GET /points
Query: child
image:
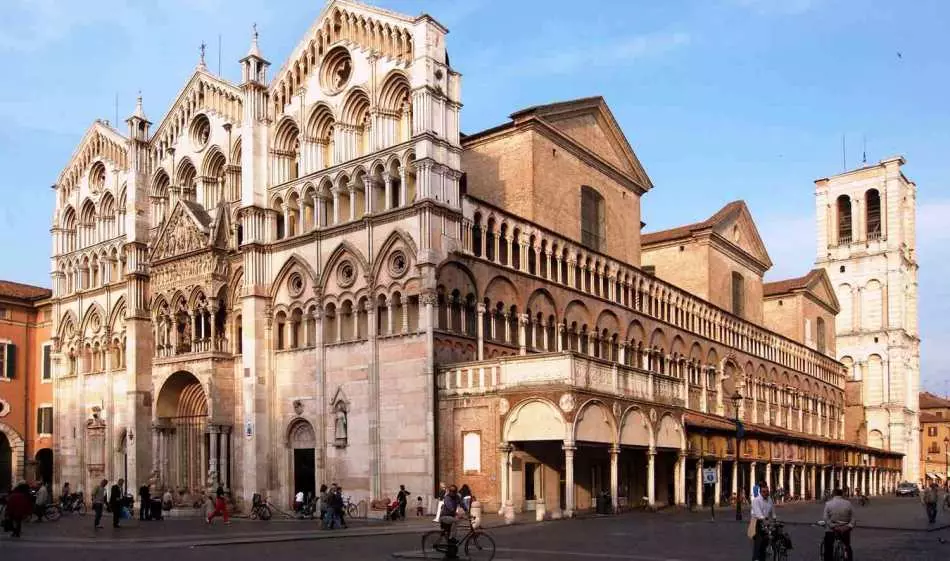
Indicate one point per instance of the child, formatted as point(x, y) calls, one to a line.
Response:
point(220, 508)
point(419, 506)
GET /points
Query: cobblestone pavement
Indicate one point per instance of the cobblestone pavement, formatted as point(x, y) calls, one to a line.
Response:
point(666, 536)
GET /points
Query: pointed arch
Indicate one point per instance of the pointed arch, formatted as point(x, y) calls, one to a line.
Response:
point(118, 310)
point(636, 429)
point(670, 433)
point(336, 255)
point(594, 423)
point(92, 311)
point(295, 260)
point(69, 320)
point(397, 236)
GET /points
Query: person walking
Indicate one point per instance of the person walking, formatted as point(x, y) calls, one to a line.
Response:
point(98, 502)
point(115, 502)
point(929, 499)
point(18, 508)
point(323, 502)
point(403, 498)
point(441, 496)
point(220, 507)
point(839, 519)
point(42, 501)
point(763, 510)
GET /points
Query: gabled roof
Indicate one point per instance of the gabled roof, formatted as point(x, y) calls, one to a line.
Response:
point(735, 214)
point(816, 282)
point(187, 229)
point(187, 103)
point(20, 291)
point(99, 141)
point(589, 124)
point(932, 401)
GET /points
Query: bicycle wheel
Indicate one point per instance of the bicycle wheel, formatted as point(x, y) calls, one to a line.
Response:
point(433, 545)
point(841, 553)
point(265, 513)
point(81, 509)
point(53, 513)
point(352, 511)
point(479, 546)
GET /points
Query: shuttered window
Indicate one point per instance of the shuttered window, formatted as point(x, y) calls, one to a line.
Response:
point(7, 360)
point(44, 420)
point(47, 363)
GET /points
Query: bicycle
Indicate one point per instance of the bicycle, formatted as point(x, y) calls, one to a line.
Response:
point(73, 503)
point(351, 509)
point(476, 544)
point(778, 541)
point(259, 508)
point(50, 512)
point(840, 550)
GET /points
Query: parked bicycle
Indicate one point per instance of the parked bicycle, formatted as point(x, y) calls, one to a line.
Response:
point(476, 544)
point(259, 508)
point(73, 503)
point(351, 509)
point(778, 541)
point(51, 512)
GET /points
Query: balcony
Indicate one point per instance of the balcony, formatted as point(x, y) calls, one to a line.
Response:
point(567, 369)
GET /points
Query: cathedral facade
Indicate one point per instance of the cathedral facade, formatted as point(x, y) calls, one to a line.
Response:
point(315, 277)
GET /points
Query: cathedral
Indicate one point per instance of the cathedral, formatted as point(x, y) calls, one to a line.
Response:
point(313, 276)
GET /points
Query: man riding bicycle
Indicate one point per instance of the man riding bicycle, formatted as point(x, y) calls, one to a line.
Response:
point(448, 517)
point(839, 521)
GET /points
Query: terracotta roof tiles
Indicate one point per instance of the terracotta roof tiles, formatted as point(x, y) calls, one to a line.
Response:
point(931, 401)
point(20, 291)
point(684, 231)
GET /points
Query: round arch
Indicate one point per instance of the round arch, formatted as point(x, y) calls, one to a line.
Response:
point(532, 420)
point(670, 433)
point(11, 457)
point(594, 423)
point(635, 429)
point(182, 409)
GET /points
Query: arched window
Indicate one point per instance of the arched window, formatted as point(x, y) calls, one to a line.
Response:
point(844, 220)
point(592, 218)
point(873, 208)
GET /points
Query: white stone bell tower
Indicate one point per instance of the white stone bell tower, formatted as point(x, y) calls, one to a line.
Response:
point(867, 244)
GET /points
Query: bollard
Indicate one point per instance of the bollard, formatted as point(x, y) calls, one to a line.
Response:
point(476, 511)
point(509, 512)
point(539, 510)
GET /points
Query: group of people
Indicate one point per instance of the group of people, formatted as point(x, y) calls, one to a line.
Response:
point(838, 522)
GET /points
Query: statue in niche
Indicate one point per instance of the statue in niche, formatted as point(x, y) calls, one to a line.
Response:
point(339, 424)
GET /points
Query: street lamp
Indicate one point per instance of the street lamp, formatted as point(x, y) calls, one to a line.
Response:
point(946, 462)
point(736, 400)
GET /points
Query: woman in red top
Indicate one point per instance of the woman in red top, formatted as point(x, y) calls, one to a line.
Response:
point(220, 507)
point(19, 506)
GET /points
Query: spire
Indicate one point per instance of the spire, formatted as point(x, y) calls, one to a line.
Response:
point(255, 49)
point(139, 112)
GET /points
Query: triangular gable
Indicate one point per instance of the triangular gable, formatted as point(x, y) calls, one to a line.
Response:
point(101, 141)
point(203, 92)
point(184, 231)
point(820, 286)
point(221, 227)
point(590, 123)
point(323, 33)
point(735, 224)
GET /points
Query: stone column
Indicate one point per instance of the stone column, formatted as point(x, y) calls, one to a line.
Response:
point(699, 482)
point(569, 478)
point(651, 476)
point(821, 483)
point(225, 457)
point(504, 454)
point(352, 190)
point(156, 443)
point(735, 477)
point(717, 488)
point(791, 480)
point(523, 334)
point(801, 486)
point(480, 328)
point(781, 475)
point(614, 468)
point(768, 474)
point(388, 190)
point(214, 432)
point(336, 204)
point(752, 466)
point(679, 480)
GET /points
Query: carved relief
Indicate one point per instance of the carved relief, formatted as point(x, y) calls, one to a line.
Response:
point(566, 403)
point(180, 236)
point(503, 406)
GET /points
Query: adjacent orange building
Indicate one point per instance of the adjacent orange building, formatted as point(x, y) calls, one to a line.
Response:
point(26, 385)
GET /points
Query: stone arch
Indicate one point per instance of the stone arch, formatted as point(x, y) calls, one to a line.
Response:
point(542, 302)
point(577, 312)
point(393, 91)
point(345, 248)
point(17, 455)
point(876, 439)
point(94, 310)
point(397, 236)
point(455, 275)
point(636, 429)
point(295, 260)
point(594, 423)
point(118, 313)
point(635, 332)
point(67, 323)
point(300, 434)
point(500, 289)
point(609, 321)
point(670, 433)
point(183, 406)
point(534, 419)
point(658, 339)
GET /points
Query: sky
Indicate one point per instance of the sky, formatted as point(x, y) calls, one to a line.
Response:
point(720, 99)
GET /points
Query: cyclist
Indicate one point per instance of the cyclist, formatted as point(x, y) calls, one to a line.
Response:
point(763, 510)
point(839, 521)
point(448, 516)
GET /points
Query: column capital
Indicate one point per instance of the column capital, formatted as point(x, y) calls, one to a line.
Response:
point(569, 447)
point(614, 449)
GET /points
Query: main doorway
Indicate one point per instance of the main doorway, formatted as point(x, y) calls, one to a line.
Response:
point(183, 412)
point(303, 442)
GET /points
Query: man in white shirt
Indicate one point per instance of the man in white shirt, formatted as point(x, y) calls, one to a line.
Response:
point(762, 510)
point(839, 519)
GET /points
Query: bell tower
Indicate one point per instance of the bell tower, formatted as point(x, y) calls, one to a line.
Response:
point(867, 244)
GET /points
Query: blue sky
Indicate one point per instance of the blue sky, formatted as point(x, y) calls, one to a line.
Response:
point(721, 99)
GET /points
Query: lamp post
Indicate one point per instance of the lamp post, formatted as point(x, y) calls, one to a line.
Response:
point(736, 399)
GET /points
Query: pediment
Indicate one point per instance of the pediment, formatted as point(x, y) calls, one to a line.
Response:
point(101, 142)
point(186, 230)
point(820, 287)
point(591, 124)
point(203, 92)
point(735, 224)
